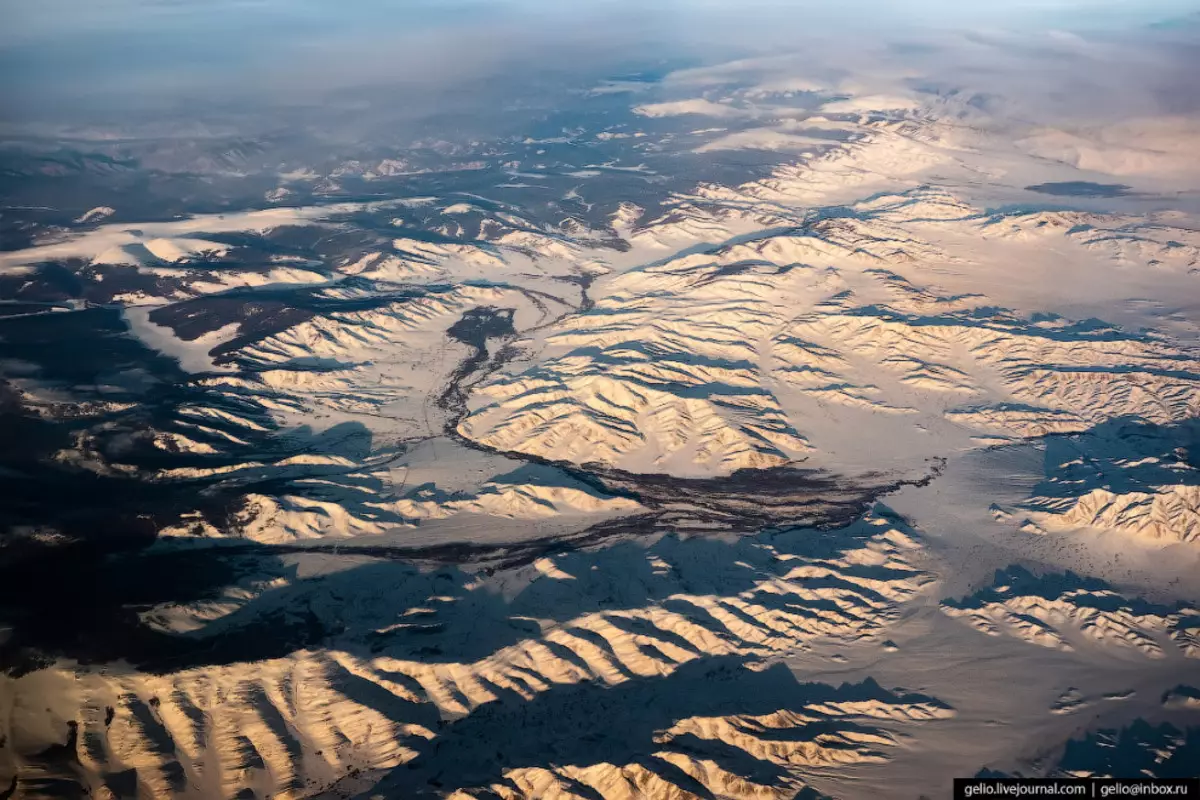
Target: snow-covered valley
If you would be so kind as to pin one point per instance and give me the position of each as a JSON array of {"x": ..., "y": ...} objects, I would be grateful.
[{"x": 759, "y": 488}]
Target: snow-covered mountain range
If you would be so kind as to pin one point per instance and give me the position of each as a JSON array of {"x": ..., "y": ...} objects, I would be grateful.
[{"x": 604, "y": 465}]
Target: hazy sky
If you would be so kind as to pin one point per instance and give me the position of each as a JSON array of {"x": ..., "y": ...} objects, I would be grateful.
[{"x": 56, "y": 54}]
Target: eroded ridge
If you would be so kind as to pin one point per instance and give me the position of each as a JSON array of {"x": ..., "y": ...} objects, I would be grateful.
[{"x": 694, "y": 624}]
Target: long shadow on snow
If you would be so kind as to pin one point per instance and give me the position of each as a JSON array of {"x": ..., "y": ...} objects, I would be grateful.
[
  {"x": 88, "y": 609},
  {"x": 588, "y": 724}
]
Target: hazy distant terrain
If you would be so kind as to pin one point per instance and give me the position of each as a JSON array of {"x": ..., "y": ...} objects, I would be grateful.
[{"x": 640, "y": 405}]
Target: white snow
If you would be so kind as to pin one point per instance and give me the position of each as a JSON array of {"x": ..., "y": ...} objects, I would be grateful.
[
  {"x": 193, "y": 356},
  {"x": 889, "y": 307},
  {"x": 699, "y": 106},
  {"x": 96, "y": 214}
]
